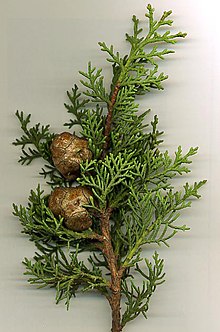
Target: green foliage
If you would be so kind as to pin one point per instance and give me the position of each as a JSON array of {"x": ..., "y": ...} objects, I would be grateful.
[
  {"x": 76, "y": 108},
  {"x": 34, "y": 142},
  {"x": 91, "y": 121},
  {"x": 92, "y": 130},
  {"x": 55, "y": 178},
  {"x": 135, "y": 138},
  {"x": 43, "y": 227},
  {"x": 157, "y": 169},
  {"x": 151, "y": 218},
  {"x": 111, "y": 176},
  {"x": 131, "y": 182},
  {"x": 137, "y": 298},
  {"x": 65, "y": 274},
  {"x": 95, "y": 84}
]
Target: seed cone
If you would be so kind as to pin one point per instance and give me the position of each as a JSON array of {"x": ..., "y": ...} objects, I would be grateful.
[
  {"x": 68, "y": 203},
  {"x": 68, "y": 151}
]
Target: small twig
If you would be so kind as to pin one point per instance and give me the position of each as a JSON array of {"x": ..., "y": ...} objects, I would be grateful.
[
  {"x": 108, "y": 122},
  {"x": 96, "y": 236}
]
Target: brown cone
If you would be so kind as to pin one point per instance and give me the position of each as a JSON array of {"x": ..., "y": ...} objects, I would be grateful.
[
  {"x": 68, "y": 151},
  {"x": 68, "y": 203}
]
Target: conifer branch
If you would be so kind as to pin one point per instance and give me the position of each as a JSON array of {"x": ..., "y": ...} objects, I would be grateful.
[
  {"x": 94, "y": 84},
  {"x": 66, "y": 275},
  {"x": 37, "y": 136},
  {"x": 138, "y": 298},
  {"x": 124, "y": 198},
  {"x": 77, "y": 107},
  {"x": 132, "y": 70}
]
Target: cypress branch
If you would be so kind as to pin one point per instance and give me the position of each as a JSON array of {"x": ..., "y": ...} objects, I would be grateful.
[{"x": 112, "y": 185}]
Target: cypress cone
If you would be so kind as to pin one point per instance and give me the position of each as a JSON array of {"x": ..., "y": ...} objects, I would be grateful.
[
  {"x": 68, "y": 203},
  {"x": 68, "y": 151}
]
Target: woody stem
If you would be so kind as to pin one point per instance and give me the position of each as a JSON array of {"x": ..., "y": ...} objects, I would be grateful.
[
  {"x": 108, "y": 122},
  {"x": 116, "y": 272}
]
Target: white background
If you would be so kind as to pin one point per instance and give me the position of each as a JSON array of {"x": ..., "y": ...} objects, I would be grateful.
[{"x": 43, "y": 45}]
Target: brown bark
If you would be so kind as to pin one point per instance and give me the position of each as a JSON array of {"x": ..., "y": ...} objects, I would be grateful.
[
  {"x": 108, "y": 122},
  {"x": 108, "y": 250},
  {"x": 116, "y": 310},
  {"x": 115, "y": 270}
]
